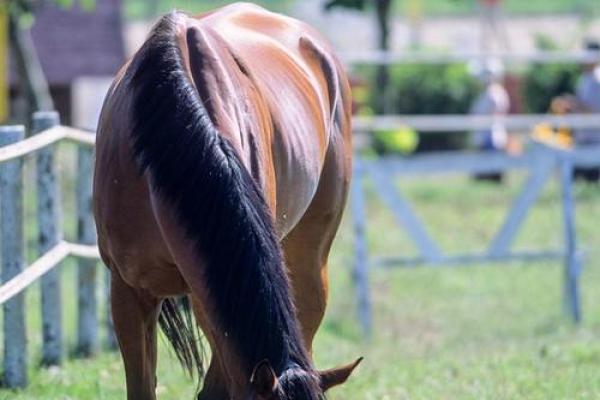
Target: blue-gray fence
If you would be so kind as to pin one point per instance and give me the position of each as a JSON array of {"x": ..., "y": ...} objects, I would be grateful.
[{"x": 541, "y": 160}]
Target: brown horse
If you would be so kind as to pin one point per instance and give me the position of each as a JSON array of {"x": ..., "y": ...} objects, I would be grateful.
[{"x": 223, "y": 162}]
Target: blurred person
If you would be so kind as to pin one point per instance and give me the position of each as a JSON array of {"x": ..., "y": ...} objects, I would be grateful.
[
  {"x": 585, "y": 100},
  {"x": 493, "y": 100}
]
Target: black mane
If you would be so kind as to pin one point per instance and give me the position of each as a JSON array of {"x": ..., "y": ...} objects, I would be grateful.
[{"x": 218, "y": 203}]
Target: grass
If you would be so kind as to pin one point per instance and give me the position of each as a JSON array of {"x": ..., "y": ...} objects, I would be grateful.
[
  {"x": 138, "y": 9},
  {"x": 513, "y": 7},
  {"x": 483, "y": 332}
]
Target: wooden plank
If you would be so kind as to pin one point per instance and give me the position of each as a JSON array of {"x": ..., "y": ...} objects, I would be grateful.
[
  {"x": 37, "y": 269},
  {"x": 463, "y": 260},
  {"x": 403, "y": 213},
  {"x": 447, "y": 162},
  {"x": 44, "y": 139},
  {"x": 84, "y": 251},
  {"x": 13, "y": 261},
  {"x": 458, "y": 123},
  {"x": 31, "y": 144},
  {"x": 572, "y": 258},
  {"x": 49, "y": 235},
  {"x": 45, "y": 263},
  {"x": 586, "y": 156},
  {"x": 379, "y": 57},
  {"x": 87, "y": 321},
  {"x": 540, "y": 174},
  {"x": 79, "y": 136}
]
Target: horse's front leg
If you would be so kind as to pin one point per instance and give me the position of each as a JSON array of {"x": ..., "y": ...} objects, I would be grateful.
[{"x": 135, "y": 315}]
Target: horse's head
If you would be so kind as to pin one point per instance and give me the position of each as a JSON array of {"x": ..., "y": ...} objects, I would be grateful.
[{"x": 295, "y": 383}]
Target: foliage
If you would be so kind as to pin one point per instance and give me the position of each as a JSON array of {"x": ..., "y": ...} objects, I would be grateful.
[
  {"x": 399, "y": 141},
  {"x": 544, "y": 82},
  {"x": 431, "y": 89},
  {"x": 585, "y": 8},
  {"x": 144, "y": 9},
  {"x": 85, "y": 4},
  {"x": 29, "y": 6}
]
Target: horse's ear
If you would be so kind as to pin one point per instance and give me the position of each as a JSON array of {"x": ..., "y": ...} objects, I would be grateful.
[
  {"x": 337, "y": 376},
  {"x": 264, "y": 381}
]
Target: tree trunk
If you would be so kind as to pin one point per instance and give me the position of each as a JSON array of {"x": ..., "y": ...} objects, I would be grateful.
[
  {"x": 31, "y": 76},
  {"x": 382, "y": 103}
]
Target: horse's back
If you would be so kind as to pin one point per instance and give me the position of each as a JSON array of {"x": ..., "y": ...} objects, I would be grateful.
[{"x": 298, "y": 81}]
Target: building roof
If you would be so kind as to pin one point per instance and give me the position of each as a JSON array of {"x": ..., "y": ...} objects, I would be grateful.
[{"x": 73, "y": 42}]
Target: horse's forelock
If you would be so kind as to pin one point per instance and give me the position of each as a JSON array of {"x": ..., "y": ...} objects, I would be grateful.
[{"x": 298, "y": 384}]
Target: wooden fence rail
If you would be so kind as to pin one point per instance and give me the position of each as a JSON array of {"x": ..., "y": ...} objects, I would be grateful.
[
  {"x": 52, "y": 248},
  {"x": 378, "y": 57}
]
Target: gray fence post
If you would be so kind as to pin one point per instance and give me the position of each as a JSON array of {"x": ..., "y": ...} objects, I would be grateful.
[
  {"x": 49, "y": 235},
  {"x": 13, "y": 260},
  {"x": 111, "y": 338},
  {"x": 361, "y": 262},
  {"x": 573, "y": 262},
  {"x": 87, "y": 333}
]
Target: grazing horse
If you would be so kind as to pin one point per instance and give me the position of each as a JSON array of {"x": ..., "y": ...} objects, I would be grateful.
[{"x": 223, "y": 161}]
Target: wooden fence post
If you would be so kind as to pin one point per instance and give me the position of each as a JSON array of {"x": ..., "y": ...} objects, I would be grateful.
[
  {"x": 573, "y": 263},
  {"x": 49, "y": 235},
  {"x": 87, "y": 322},
  {"x": 361, "y": 259},
  {"x": 111, "y": 338},
  {"x": 13, "y": 260}
]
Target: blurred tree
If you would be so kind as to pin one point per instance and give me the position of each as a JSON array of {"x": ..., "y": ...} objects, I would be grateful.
[
  {"x": 543, "y": 83},
  {"x": 30, "y": 74},
  {"x": 383, "y": 14}
]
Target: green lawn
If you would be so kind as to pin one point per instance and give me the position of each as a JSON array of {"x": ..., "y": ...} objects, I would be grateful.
[
  {"x": 516, "y": 7},
  {"x": 483, "y": 332},
  {"x": 136, "y": 9}
]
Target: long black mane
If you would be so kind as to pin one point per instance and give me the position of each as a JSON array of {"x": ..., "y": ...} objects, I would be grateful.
[{"x": 218, "y": 204}]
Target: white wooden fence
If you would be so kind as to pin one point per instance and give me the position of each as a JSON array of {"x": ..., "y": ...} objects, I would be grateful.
[{"x": 16, "y": 276}]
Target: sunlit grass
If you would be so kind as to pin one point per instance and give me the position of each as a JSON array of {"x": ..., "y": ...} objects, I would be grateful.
[{"x": 480, "y": 332}]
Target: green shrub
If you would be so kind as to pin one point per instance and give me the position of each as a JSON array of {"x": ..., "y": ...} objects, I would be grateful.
[
  {"x": 543, "y": 82},
  {"x": 403, "y": 140},
  {"x": 431, "y": 89}
]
